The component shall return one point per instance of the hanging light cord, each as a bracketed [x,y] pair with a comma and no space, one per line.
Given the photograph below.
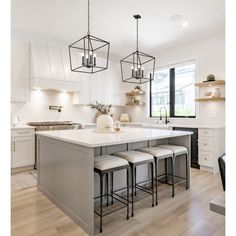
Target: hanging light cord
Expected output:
[88,17]
[137,35]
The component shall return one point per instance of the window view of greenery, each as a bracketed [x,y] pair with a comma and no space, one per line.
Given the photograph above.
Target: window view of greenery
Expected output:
[185,90]
[160,92]
[180,85]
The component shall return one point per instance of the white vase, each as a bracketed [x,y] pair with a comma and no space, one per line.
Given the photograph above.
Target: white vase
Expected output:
[104,123]
[217,92]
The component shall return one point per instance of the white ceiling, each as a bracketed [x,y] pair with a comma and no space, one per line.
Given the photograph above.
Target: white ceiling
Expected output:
[112,20]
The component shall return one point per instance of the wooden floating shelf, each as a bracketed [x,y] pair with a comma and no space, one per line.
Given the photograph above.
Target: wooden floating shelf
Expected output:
[212,83]
[135,104]
[135,93]
[210,99]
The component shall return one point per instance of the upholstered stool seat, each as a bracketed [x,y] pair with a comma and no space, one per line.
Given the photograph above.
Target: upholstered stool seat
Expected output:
[177,150]
[109,162]
[160,153]
[105,165]
[136,158]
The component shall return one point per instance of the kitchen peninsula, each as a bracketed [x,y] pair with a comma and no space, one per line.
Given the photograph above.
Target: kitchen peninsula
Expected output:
[66,164]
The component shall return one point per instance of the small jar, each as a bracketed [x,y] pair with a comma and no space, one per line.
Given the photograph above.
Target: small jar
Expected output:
[117,126]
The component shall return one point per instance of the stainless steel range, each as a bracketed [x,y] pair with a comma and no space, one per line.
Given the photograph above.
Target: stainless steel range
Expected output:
[55,125]
[50,126]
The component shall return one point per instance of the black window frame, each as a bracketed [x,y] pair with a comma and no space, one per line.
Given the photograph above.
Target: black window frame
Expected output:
[172,98]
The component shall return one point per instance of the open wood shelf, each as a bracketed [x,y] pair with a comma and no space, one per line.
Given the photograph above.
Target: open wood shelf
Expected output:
[210,99]
[212,83]
[135,93]
[135,104]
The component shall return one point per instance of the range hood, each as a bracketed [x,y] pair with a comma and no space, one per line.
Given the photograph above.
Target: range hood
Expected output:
[55,85]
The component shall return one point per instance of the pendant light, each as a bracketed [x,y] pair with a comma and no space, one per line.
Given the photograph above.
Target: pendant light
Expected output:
[89,54]
[137,67]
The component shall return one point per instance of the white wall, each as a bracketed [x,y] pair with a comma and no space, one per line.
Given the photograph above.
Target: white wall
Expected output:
[209,53]
[38,108]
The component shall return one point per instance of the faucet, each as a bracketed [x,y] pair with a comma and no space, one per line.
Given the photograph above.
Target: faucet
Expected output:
[166,121]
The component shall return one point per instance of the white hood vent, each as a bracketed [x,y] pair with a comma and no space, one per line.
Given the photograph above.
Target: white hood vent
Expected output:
[56,85]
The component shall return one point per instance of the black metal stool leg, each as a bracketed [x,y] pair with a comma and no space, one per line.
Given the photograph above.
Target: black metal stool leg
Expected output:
[101,198]
[112,188]
[173,175]
[135,181]
[152,173]
[156,170]
[166,170]
[132,189]
[107,189]
[127,176]
[187,173]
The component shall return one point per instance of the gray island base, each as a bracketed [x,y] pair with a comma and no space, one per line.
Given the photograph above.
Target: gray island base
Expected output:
[66,164]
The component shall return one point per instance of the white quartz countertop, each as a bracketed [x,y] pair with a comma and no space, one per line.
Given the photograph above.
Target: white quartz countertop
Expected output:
[90,138]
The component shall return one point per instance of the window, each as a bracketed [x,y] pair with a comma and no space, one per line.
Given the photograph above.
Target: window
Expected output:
[173,88]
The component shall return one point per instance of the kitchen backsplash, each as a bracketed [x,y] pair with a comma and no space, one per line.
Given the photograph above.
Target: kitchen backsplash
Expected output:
[38,108]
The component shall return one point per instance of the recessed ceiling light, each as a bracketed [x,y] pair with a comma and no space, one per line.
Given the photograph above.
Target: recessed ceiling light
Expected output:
[185,23]
[176,18]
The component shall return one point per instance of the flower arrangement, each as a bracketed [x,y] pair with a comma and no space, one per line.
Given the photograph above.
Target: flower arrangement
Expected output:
[102,108]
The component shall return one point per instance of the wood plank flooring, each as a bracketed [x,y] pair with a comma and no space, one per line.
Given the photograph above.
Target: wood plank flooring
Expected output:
[187,214]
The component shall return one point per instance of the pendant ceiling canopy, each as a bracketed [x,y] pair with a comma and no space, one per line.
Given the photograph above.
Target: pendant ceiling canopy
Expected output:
[89,54]
[138,67]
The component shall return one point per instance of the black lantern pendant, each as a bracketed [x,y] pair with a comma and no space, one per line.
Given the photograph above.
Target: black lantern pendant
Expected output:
[89,54]
[137,67]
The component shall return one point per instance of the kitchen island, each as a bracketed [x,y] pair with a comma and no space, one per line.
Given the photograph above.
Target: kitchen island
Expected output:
[66,164]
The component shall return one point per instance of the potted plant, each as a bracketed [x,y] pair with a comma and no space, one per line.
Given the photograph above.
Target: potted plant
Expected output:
[104,120]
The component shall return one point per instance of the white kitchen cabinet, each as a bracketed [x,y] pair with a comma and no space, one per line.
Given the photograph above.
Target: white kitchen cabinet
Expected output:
[20,85]
[22,148]
[83,97]
[108,87]
[56,62]
[211,145]
[96,87]
[119,94]
[39,61]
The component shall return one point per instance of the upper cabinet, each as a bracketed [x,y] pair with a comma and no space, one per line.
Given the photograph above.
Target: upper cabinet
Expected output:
[39,61]
[104,87]
[20,89]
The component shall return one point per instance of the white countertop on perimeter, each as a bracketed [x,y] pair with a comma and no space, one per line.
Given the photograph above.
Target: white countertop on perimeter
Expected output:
[90,138]
[169,125]
[22,127]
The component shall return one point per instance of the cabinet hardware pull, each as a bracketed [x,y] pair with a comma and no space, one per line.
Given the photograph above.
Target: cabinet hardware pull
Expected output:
[14,146]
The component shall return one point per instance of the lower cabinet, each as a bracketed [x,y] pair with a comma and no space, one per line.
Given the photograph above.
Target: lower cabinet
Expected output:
[23,149]
[211,146]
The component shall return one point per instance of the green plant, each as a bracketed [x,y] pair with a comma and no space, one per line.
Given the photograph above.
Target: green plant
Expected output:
[102,108]
[211,77]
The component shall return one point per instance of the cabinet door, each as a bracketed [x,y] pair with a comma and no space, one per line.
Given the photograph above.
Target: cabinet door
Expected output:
[23,152]
[119,94]
[20,87]
[83,96]
[56,62]
[39,62]
[96,88]
[108,87]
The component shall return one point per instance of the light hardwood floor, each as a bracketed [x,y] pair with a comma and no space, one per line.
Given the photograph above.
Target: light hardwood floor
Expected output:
[187,214]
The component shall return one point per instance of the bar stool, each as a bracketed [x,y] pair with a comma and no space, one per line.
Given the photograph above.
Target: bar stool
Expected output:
[103,165]
[161,154]
[138,158]
[179,151]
